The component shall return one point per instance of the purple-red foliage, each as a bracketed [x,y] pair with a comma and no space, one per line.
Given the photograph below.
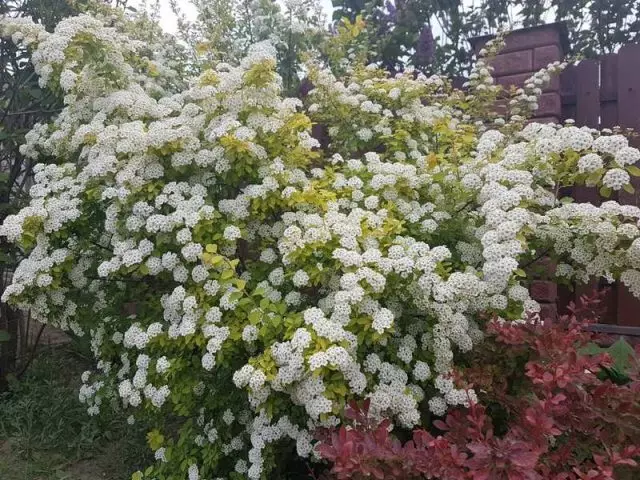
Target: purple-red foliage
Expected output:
[560,420]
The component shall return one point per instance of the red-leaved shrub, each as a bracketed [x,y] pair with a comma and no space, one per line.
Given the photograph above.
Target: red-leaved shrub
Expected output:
[547,411]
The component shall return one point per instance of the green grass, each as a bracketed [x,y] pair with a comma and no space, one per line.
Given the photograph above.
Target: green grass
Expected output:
[46,434]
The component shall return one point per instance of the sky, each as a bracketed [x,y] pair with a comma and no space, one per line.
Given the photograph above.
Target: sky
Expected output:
[168,21]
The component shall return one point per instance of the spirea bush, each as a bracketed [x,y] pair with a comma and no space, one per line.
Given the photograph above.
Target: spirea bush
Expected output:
[241,281]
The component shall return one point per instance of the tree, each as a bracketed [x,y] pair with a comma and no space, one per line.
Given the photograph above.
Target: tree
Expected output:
[399,30]
[22,105]
[224,30]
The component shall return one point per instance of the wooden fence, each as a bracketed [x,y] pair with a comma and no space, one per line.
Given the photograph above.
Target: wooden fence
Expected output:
[605,93]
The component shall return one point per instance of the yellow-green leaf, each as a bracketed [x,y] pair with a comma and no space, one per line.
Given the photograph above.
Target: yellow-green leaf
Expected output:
[633,170]
[227,274]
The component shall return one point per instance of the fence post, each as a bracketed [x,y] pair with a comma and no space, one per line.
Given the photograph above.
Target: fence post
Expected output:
[628,92]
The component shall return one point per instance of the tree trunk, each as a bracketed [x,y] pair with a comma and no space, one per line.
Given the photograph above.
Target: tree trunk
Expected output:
[9,319]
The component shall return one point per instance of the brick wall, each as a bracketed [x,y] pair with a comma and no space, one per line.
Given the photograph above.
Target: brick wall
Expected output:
[526,51]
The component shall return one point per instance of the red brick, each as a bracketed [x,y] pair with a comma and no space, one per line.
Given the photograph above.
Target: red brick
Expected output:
[549,104]
[519,79]
[543,268]
[543,56]
[525,38]
[514,62]
[554,84]
[548,311]
[544,291]
[548,264]
[516,80]
[501,107]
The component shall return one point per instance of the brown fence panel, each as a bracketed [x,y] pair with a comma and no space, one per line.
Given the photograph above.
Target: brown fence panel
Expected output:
[586,109]
[608,91]
[629,117]
[588,93]
[568,92]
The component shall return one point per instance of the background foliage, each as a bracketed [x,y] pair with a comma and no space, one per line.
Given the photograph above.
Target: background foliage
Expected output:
[399,31]
[22,104]
[223,30]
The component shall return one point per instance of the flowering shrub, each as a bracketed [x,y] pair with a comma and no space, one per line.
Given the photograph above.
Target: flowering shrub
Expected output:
[241,282]
[548,416]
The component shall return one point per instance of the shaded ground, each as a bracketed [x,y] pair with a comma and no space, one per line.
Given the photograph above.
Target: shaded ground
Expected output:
[49,465]
[45,433]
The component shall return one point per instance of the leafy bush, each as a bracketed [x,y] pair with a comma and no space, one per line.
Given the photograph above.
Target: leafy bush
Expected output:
[548,415]
[242,281]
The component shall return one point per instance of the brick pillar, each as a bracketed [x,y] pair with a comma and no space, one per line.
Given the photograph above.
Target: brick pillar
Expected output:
[526,51]
[543,288]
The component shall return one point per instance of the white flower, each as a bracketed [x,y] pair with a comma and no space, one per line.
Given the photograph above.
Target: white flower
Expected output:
[589,163]
[300,278]
[162,364]
[193,472]
[208,361]
[421,371]
[438,406]
[382,320]
[232,233]
[627,156]
[616,179]
[250,333]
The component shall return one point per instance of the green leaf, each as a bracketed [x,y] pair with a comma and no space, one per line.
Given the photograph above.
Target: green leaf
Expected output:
[4,336]
[155,439]
[593,178]
[227,274]
[621,351]
[605,192]
[520,272]
[216,259]
[633,170]
[211,248]
[629,188]
[591,349]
